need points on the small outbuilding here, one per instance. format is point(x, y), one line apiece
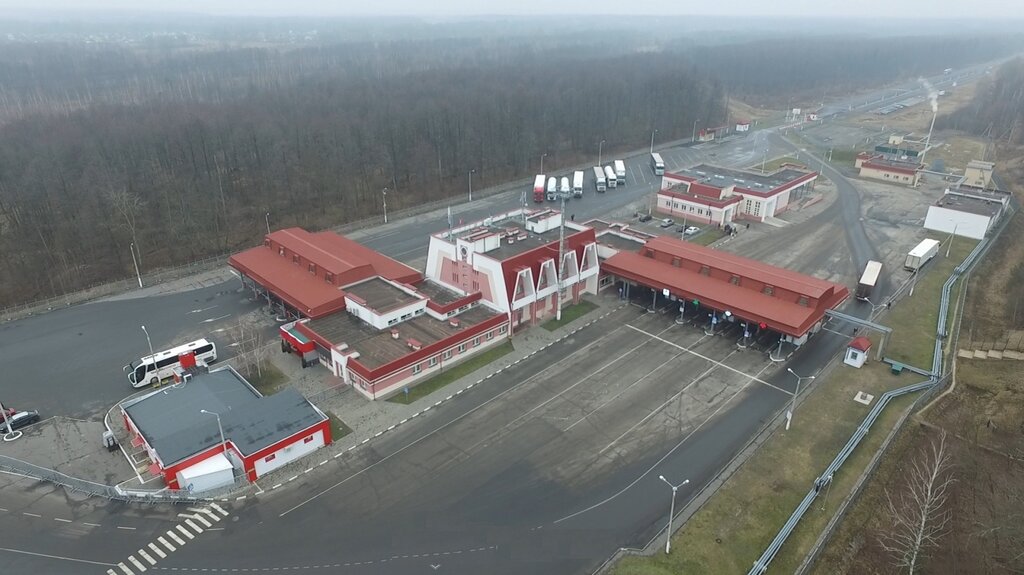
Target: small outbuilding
point(857, 352)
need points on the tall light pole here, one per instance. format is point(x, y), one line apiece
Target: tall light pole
point(384, 193)
point(131, 247)
point(693, 135)
point(151, 354)
point(792, 406)
point(267, 218)
point(223, 443)
point(951, 236)
point(599, 150)
point(652, 140)
point(542, 156)
point(471, 184)
point(671, 512)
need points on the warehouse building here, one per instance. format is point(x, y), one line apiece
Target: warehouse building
point(716, 195)
point(878, 167)
point(966, 213)
point(202, 433)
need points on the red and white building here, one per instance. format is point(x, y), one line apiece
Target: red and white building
point(511, 260)
point(204, 432)
point(879, 167)
point(715, 195)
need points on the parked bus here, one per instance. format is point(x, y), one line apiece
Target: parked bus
point(868, 280)
point(577, 184)
point(609, 175)
point(552, 189)
point(154, 368)
point(538, 188)
point(657, 164)
point(599, 181)
point(620, 172)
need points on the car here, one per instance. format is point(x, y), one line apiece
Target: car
point(19, 420)
point(690, 230)
point(645, 217)
point(667, 223)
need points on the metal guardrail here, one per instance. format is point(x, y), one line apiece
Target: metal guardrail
point(930, 386)
point(24, 468)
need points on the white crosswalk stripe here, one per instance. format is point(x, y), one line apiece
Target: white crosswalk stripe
point(219, 509)
point(194, 527)
point(112, 572)
point(197, 517)
point(185, 532)
point(149, 559)
point(125, 569)
point(138, 564)
point(167, 543)
point(174, 536)
point(160, 553)
point(210, 512)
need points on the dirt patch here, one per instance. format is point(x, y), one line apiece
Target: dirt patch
point(743, 111)
point(919, 117)
point(988, 318)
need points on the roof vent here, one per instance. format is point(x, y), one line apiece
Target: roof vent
point(454, 322)
point(511, 240)
point(414, 344)
point(394, 334)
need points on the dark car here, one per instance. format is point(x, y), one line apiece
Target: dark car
point(19, 420)
point(645, 217)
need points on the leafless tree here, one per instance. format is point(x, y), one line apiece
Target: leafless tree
point(919, 514)
point(128, 205)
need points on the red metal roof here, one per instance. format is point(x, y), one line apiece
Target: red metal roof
point(289, 282)
point(533, 258)
point(860, 343)
point(703, 200)
point(784, 315)
point(699, 189)
point(888, 168)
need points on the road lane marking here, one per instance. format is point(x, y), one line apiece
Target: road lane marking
point(174, 536)
point(138, 564)
point(126, 528)
point(158, 551)
point(90, 524)
point(219, 509)
point(213, 319)
point(62, 520)
point(147, 557)
point(60, 557)
point(30, 514)
point(185, 532)
point(125, 569)
point(167, 543)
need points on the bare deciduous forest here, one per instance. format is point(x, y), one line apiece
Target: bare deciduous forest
point(997, 110)
point(181, 145)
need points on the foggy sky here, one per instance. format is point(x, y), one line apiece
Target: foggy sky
point(928, 9)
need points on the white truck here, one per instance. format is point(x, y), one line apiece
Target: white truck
point(552, 189)
point(609, 175)
point(564, 188)
point(600, 184)
point(577, 184)
point(620, 172)
point(921, 255)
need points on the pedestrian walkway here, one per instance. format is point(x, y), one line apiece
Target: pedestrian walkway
point(196, 521)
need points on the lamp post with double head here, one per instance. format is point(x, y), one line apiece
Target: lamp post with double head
point(671, 511)
point(220, 428)
point(792, 405)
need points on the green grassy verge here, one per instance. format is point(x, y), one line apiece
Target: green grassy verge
point(570, 314)
point(732, 530)
point(915, 319)
point(338, 427)
point(270, 379)
point(454, 373)
point(709, 237)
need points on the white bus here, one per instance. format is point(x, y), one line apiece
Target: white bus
point(154, 368)
point(620, 172)
point(609, 174)
point(657, 164)
point(599, 182)
point(577, 184)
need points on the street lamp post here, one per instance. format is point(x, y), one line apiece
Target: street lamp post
point(693, 135)
point(792, 406)
point(267, 218)
point(600, 146)
point(223, 443)
point(951, 236)
point(131, 247)
point(542, 156)
point(151, 354)
point(652, 140)
point(384, 193)
point(471, 184)
point(671, 512)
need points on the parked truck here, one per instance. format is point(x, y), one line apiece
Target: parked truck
point(921, 255)
point(620, 172)
point(563, 187)
point(868, 280)
point(538, 188)
point(600, 184)
point(577, 184)
point(609, 174)
point(552, 189)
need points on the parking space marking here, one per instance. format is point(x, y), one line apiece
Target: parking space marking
point(706, 358)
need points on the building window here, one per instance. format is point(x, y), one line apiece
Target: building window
point(447, 354)
point(393, 321)
point(266, 243)
point(476, 285)
point(308, 439)
point(462, 347)
point(803, 301)
point(329, 278)
point(675, 262)
point(295, 258)
point(768, 290)
point(476, 341)
point(490, 335)
point(270, 457)
point(415, 369)
point(705, 271)
point(433, 362)
point(280, 252)
point(503, 329)
point(312, 268)
point(735, 280)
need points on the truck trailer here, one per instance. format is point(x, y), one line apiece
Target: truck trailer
point(538, 188)
point(921, 255)
point(552, 194)
point(600, 184)
point(609, 175)
point(620, 172)
point(868, 280)
point(577, 184)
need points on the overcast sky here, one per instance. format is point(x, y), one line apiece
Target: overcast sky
point(1001, 9)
